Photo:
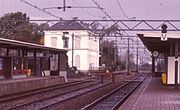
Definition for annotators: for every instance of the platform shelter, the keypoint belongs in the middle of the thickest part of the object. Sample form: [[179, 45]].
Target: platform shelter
[[165, 54], [17, 57]]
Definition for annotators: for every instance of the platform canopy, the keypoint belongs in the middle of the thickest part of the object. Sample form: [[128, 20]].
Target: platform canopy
[[14, 44], [154, 42]]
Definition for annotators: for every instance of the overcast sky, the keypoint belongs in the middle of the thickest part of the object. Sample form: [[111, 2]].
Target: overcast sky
[[141, 9]]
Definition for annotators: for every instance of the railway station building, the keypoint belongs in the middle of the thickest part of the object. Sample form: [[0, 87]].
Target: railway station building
[[165, 54], [82, 45]]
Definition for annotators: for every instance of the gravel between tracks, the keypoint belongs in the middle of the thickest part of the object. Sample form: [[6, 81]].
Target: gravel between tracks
[[80, 102], [24, 100], [83, 100]]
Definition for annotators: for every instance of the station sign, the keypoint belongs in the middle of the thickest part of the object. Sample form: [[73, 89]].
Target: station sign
[[164, 37]]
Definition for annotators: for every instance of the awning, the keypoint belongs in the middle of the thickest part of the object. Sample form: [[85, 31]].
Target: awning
[[153, 41], [14, 44]]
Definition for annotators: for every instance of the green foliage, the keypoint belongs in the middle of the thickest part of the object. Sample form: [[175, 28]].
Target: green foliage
[[123, 61], [108, 53], [146, 65], [21, 35]]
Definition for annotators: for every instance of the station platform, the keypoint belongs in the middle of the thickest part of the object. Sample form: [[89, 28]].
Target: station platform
[[153, 95], [13, 86]]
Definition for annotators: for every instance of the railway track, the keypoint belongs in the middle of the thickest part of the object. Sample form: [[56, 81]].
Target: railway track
[[41, 90], [52, 96], [37, 91], [28, 97], [51, 102], [115, 98]]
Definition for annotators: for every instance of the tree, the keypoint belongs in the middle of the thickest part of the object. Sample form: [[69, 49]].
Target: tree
[[22, 35], [108, 54], [124, 59]]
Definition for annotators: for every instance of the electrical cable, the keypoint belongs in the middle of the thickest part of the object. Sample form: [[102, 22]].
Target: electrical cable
[[110, 16], [106, 13], [40, 9], [83, 9], [102, 9], [122, 9]]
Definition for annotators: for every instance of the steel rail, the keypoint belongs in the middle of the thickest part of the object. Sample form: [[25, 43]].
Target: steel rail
[[121, 100], [19, 95], [64, 97], [37, 91]]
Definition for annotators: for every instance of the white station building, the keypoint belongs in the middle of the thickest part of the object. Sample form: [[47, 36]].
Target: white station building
[[72, 35]]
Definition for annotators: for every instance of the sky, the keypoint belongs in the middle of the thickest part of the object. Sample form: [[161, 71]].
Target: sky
[[139, 9], [128, 9]]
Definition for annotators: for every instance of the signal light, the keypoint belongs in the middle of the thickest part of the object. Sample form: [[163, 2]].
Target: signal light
[[164, 27]]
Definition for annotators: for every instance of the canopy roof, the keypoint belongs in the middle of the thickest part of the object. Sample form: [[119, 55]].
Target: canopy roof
[[14, 44], [153, 41]]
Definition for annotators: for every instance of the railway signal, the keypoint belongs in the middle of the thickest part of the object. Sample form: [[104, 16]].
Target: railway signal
[[164, 27], [164, 32]]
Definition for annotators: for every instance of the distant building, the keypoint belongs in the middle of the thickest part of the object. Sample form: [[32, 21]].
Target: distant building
[[86, 47]]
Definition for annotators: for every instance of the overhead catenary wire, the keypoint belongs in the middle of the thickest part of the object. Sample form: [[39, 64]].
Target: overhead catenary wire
[[102, 9], [83, 9], [106, 14], [122, 9], [40, 9], [64, 7], [69, 7], [109, 15]]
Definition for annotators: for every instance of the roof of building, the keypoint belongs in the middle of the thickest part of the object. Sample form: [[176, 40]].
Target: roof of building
[[153, 41], [158, 35], [68, 25], [14, 44]]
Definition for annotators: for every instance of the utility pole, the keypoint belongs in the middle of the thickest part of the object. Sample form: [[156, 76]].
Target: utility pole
[[176, 64], [137, 60], [101, 55], [115, 57], [72, 49], [128, 59], [109, 52], [64, 5], [115, 53]]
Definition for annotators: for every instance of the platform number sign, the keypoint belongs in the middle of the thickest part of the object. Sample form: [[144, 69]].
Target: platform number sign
[[164, 37]]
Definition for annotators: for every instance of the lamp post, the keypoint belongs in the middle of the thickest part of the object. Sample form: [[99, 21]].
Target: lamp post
[[137, 60], [128, 59], [72, 49], [64, 5], [101, 55]]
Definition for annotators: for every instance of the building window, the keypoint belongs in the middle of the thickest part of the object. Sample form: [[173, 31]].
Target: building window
[[65, 42], [54, 42], [77, 42], [77, 61], [54, 62]]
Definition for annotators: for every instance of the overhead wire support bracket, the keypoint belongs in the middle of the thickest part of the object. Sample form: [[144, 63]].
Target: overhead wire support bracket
[[40, 9], [64, 7], [70, 7]]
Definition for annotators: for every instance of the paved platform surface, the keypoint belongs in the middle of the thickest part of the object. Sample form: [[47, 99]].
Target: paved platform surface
[[153, 95]]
